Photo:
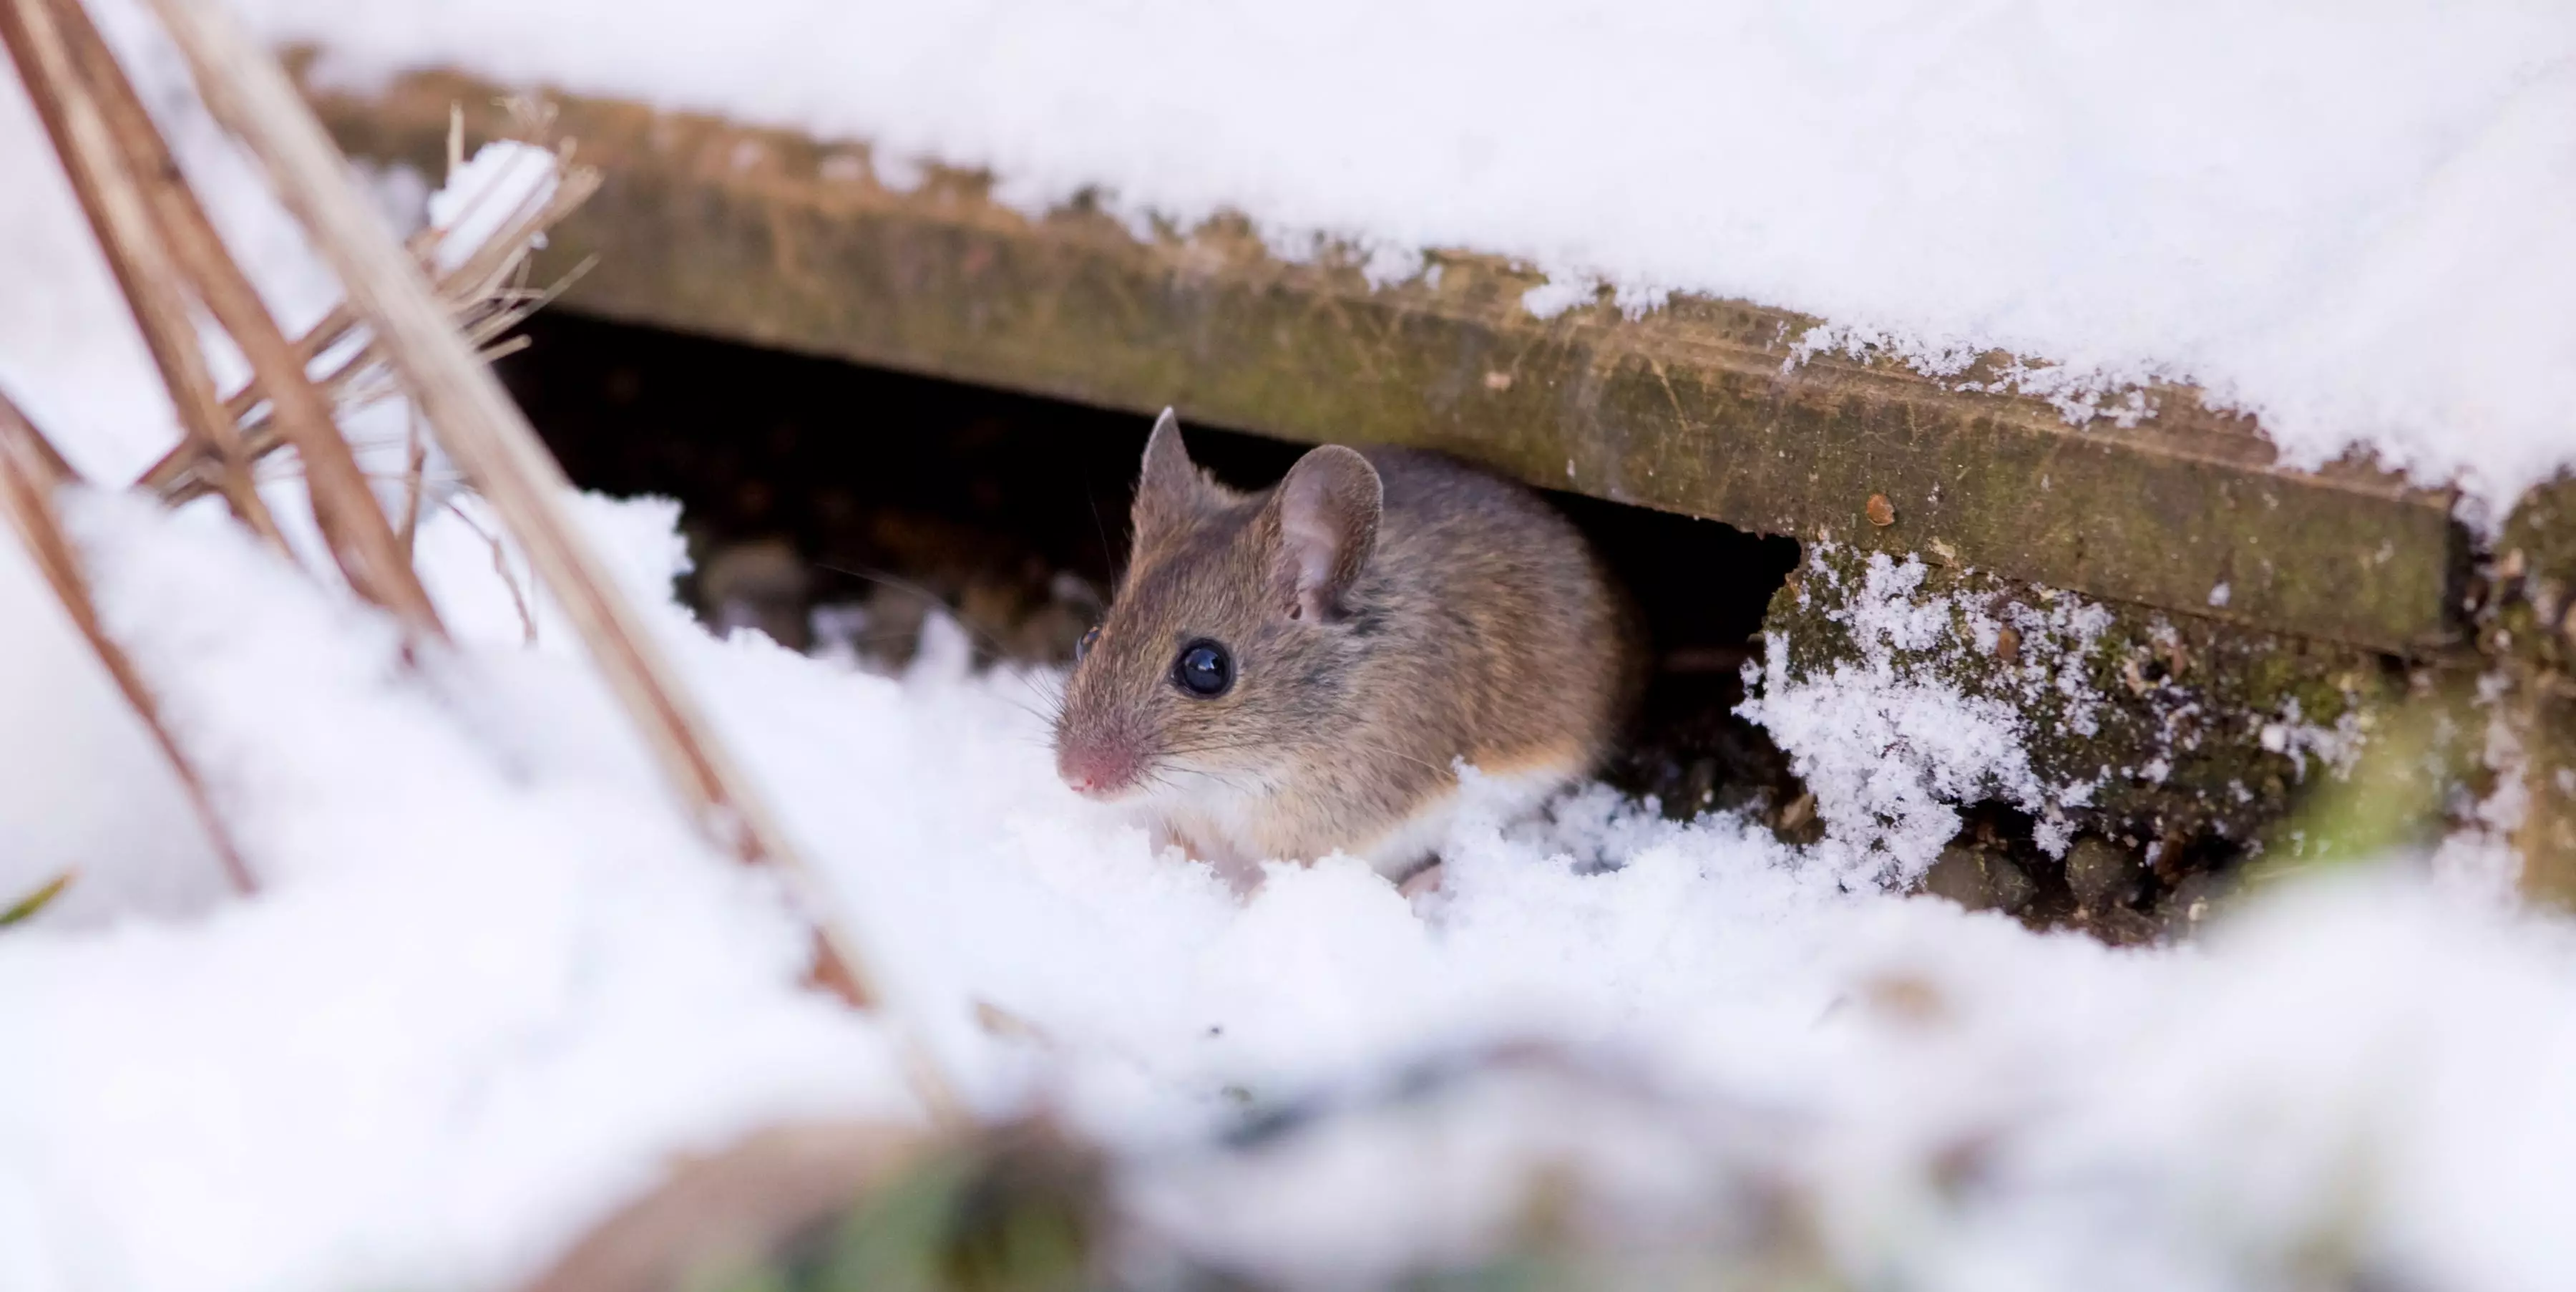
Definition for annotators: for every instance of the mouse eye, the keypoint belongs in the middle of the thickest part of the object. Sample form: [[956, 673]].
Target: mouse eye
[[1089, 640], [1205, 669]]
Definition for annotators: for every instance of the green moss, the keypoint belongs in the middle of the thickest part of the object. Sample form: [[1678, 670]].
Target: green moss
[[27, 907], [1015, 1209], [2149, 726], [2525, 618]]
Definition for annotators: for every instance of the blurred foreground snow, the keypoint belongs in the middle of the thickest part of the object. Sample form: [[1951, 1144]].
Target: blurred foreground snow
[[495, 980]]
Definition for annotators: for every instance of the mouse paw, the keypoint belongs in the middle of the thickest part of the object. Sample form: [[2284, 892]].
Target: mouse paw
[[1163, 838], [1422, 881]]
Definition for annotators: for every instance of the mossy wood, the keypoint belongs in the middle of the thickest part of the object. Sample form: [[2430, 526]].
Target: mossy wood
[[2183, 728], [2526, 620], [779, 240]]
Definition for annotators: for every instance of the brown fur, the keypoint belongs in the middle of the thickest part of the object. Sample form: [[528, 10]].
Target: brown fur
[[1464, 618]]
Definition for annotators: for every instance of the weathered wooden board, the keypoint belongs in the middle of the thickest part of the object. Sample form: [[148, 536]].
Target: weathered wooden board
[[772, 238]]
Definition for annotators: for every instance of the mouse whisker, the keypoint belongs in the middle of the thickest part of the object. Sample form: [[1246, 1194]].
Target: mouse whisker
[[906, 586], [1220, 778], [1032, 710]]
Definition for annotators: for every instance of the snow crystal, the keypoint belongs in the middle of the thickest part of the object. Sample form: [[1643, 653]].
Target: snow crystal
[[2080, 394], [2338, 748], [2478, 859], [1888, 742], [1556, 296]]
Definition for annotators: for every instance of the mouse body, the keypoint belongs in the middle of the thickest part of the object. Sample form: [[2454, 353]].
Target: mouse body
[[1294, 672]]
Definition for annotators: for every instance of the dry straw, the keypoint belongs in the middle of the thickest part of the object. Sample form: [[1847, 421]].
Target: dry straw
[[403, 334]]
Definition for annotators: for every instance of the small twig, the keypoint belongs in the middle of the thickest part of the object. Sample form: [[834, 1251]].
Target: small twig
[[358, 382], [30, 474], [501, 566], [475, 290], [144, 267], [490, 439], [25, 908], [503, 349], [364, 379], [415, 462], [352, 522], [534, 117]]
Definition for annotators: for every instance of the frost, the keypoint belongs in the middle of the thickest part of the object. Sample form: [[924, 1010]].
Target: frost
[[1887, 743], [1637, 300], [2337, 747], [1556, 296], [1564, 291], [898, 173], [2079, 394], [2478, 859], [1389, 263]]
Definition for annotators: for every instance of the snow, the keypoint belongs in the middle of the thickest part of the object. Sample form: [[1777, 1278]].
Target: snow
[[2358, 222], [2299, 1101], [422, 1043], [493, 982], [1890, 746], [1888, 757], [502, 182]]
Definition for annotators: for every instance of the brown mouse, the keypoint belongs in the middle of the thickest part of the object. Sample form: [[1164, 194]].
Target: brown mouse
[[1294, 672]]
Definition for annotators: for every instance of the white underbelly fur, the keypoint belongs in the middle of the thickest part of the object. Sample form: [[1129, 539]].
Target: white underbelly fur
[[1411, 842], [1218, 828]]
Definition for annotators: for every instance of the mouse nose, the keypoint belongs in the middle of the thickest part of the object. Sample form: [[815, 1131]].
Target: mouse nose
[[1097, 771]]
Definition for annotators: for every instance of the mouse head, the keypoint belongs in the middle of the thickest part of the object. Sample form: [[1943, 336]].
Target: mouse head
[[1227, 653]]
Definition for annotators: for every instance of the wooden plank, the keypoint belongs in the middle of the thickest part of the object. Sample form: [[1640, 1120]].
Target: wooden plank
[[775, 239]]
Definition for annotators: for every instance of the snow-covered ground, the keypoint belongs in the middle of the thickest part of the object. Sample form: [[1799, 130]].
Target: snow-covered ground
[[494, 980], [2356, 219]]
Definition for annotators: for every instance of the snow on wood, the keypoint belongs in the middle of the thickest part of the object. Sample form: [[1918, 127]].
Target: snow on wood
[[2353, 225], [1708, 407]]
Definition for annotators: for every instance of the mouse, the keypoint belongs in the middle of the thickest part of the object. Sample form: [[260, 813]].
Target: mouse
[[1290, 673]]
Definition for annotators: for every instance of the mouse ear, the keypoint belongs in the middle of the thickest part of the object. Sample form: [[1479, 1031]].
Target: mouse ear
[[1326, 513], [1170, 487]]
